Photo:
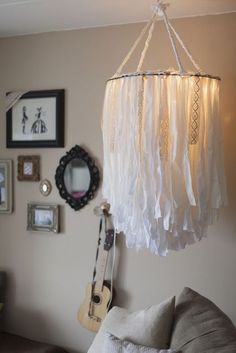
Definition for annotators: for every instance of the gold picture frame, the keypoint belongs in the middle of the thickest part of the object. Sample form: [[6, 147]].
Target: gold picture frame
[[28, 168]]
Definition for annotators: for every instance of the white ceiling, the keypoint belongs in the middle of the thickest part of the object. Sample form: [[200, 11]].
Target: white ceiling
[[35, 16]]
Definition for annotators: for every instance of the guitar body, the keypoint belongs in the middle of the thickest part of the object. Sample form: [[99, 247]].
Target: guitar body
[[95, 306], [98, 294]]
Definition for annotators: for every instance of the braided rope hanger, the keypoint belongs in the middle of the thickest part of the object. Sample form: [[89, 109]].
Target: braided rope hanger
[[159, 9]]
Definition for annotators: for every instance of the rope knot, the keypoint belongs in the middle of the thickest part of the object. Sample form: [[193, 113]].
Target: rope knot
[[160, 7]]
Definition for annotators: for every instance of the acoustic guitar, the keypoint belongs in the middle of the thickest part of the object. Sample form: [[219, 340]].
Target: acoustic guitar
[[98, 295]]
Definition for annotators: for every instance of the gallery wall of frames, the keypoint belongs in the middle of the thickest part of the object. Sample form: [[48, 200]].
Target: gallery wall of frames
[[36, 119]]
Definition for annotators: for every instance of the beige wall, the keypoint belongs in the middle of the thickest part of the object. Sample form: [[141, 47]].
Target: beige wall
[[48, 273]]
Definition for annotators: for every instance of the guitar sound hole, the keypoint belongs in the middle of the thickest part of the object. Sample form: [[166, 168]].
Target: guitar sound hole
[[96, 299]]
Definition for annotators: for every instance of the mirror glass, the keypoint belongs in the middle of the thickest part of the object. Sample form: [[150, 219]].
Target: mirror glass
[[45, 187], [77, 178]]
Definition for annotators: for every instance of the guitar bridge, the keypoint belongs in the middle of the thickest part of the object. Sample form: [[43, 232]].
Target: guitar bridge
[[95, 318]]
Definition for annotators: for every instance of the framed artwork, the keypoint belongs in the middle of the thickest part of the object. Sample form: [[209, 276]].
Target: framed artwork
[[28, 168], [5, 186], [36, 120], [43, 217]]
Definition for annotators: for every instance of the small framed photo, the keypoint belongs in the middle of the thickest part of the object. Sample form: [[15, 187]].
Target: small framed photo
[[5, 186], [43, 217], [36, 120], [28, 168]]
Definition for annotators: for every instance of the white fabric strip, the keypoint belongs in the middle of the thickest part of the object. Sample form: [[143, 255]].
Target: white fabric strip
[[162, 201]]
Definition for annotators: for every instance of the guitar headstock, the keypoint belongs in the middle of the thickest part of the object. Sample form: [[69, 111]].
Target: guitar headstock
[[109, 239]]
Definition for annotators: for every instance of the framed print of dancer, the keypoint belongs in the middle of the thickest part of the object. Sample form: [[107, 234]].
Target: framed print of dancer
[[24, 119], [39, 126], [36, 119]]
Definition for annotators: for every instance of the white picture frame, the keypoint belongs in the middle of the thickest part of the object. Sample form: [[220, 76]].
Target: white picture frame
[[6, 205]]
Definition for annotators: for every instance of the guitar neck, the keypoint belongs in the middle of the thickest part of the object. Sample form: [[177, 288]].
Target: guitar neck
[[103, 259], [101, 271]]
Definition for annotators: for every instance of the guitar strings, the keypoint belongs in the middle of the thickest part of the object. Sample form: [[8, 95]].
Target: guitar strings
[[95, 265], [112, 268]]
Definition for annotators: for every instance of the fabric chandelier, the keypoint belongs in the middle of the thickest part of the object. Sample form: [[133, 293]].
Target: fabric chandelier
[[163, 164]]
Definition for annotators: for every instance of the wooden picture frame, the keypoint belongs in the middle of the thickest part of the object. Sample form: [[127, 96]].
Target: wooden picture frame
[[6, 186], [36, 120], [43, 217], [28, 168]]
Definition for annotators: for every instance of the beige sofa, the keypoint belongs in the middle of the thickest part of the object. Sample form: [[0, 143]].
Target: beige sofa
[[193, 325]]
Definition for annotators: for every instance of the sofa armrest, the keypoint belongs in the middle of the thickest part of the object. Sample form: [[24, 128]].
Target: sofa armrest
[[10, 343]]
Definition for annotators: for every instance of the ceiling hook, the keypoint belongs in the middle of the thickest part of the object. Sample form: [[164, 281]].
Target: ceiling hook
[[159, 7]]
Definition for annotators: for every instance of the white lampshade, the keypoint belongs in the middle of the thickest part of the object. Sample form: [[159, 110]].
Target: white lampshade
[[163, 166]]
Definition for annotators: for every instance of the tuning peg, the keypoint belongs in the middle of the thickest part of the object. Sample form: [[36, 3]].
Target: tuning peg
[[102, 209]]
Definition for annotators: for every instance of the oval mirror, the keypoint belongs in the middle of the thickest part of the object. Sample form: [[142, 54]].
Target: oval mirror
[[77, 177]]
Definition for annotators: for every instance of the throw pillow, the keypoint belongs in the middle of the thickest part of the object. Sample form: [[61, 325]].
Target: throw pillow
[[200, 326], [113, 344], [150, 327]]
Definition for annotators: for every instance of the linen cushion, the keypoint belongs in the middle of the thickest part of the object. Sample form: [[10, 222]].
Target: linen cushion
[[113, 344], [200, 326], [150, 327]]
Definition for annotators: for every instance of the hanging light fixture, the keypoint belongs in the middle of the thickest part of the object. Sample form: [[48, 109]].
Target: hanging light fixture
[[163, 168]]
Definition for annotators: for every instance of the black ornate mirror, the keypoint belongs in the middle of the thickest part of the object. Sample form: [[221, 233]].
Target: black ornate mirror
[[77, 177]]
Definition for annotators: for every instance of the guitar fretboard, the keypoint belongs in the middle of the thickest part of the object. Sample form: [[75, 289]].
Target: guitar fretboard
[[101, 271]]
